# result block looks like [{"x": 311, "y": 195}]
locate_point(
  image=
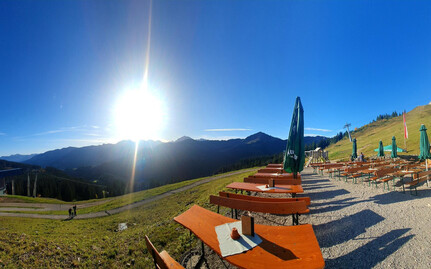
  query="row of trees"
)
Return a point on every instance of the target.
[
  {"x": 387, "y": 116},
  {"x": 52, "y": 186}
]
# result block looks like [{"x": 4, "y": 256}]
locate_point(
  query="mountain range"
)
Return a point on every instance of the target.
[
  {"x": 17, "y": 157},
  {"x": 158, "y": 162}
]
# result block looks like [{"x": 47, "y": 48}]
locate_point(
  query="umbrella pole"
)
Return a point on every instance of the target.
[{"x": 405, "y": 144}]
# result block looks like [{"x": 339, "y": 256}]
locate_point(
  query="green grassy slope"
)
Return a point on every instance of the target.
[
  {"x": 39, "y": 243},
  {"x": 368, "y": 136},
  {"x": 110, "y": 203}
]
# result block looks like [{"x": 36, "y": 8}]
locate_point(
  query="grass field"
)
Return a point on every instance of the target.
[
  {"x": 39, "y": 243},
  {"x": 110, "y": 203},
  {"x": 368, "y": 136}
]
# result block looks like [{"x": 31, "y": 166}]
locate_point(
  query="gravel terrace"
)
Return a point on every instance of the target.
[{"x": 358, "y": 226}]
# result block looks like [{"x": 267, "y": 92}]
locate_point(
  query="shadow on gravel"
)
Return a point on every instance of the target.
[
  {"x": 372, "y": 253},
  {"x": 327, "y": 194},
  {"x": 335, "y": 205},
  {"x": 393, "y": 197},
  {"x": 314, "y": 181},
  {"x": 320, "y": 186},
  {"x": 347, "y": 228},
  {"x": 336, "y": 202},
  {"x": 422, "y": 193}
]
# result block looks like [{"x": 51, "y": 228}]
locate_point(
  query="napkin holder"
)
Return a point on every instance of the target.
[
  {"x": 271, "y": 183},
  {"x": 247, "y": 223}
]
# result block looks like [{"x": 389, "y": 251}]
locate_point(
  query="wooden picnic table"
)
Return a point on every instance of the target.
[
  {"x": 275, "y": 165},
  {"x": 245, "y": 186},
  {"x": 281, "y": 247},
  {"x": 403, "y": 173},
  {"x": 271, "y": 170},
  {"x": 277, "y": 175},
  {"x": 368, "y": 170},
  {"x": 277, "y": 181}
]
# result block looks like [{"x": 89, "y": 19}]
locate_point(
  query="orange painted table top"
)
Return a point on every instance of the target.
[
  {"x": 403, "y": 173},
  {"x": 281, "y": 247},
  {"x": 245, "y": 186}
]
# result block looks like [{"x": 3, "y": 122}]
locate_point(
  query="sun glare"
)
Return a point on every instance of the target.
[{"x": 139, "y": 115}]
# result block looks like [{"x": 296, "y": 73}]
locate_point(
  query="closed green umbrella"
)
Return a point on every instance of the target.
[
  {"x": 394, "y": 148},
  {"x": 295, "y": 156},
  {"x": 424, "y": 145},
  {"x": 381, "y": 152},
  {"x": 354, "y": 150}
]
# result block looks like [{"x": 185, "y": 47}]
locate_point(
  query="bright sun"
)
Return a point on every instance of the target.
[{"x": 139, "y": 114}]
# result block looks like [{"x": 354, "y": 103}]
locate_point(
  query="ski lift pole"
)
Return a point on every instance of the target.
[{"x": 348, "y": 131}]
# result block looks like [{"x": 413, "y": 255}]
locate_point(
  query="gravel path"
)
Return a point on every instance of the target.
[
  {"x": 358, "y": 226},
  {"x": 20, "y": 206},
  {"x": 45, "y": 206}
]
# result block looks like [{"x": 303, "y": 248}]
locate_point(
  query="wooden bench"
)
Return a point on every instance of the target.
[
  {"x": 352, "y": 171},
  {"x": 252, "y": 187},
  {"x": 383, "y": 176},
  {"x": 307, "y": 200},
  {"x": 333, "y": 168},
  {"x": 277, "y": 181},
  {"x": 421, "y": 177},
  {"x": 294, "y": 208},
  {"x": 162, "y": 260}
]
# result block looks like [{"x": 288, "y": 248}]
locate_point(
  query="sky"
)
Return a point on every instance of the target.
[{"x": 215, "y": 69}]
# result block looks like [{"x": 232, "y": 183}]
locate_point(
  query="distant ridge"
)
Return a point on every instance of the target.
[
  {"x": 72, "y": 157},
  {"x": 17, "y": 157}
]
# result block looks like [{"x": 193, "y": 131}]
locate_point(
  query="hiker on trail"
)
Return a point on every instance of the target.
[
  {"x": 74, "y": 210},
  {"x": 70, "y": 213}
]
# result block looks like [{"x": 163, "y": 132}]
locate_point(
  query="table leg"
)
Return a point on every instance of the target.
[{"x": 202, "y": 257}]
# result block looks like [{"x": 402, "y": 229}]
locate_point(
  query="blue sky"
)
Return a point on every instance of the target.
[{"x": 220, "y": 68}]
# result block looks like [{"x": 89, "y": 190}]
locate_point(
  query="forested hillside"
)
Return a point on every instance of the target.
[{"x": 55, "y": 183}]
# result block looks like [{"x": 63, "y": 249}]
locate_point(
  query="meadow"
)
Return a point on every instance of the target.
[{"x": 40, "y": 243}]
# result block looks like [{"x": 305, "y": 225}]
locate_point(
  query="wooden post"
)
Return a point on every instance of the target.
[
  {"x": 28, "y": 184},
  {"x": 34, "y": 189},
  {"x": 13, "y": 187}
]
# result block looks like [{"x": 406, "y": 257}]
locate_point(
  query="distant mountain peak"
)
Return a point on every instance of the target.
[
  {"x": 260, "y": 136},
  {"x": 183, "y": 138}
]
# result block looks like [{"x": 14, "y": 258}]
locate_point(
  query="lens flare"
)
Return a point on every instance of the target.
[{"x": 139, "y": 115}]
